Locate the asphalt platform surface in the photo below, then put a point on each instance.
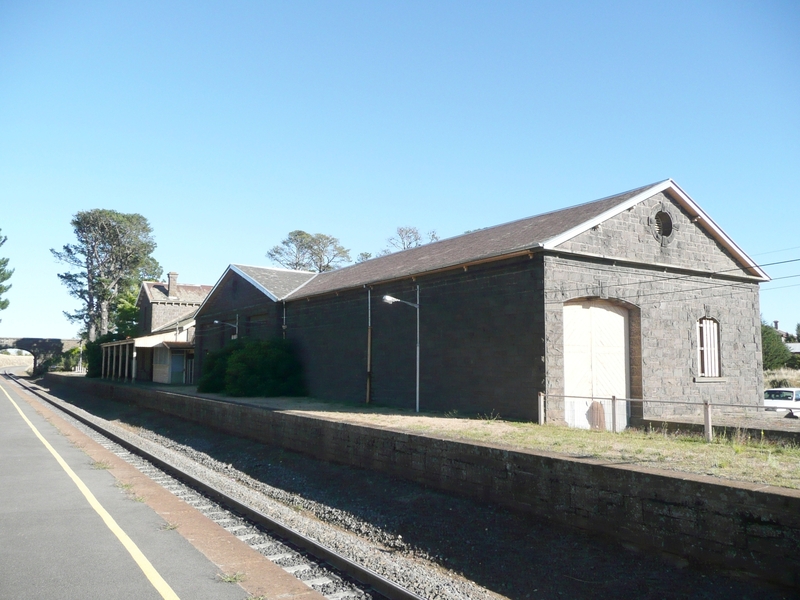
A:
(55, 544)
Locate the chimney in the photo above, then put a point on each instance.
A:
(172, 288)
(776, 324)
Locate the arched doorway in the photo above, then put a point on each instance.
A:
(596, 361)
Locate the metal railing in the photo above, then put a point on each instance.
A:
(705, 405)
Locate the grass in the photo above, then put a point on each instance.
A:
(101, 464)
(169, 526)
(735, 456)
(782, 376)
(230, 578)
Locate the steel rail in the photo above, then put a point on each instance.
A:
(360, 573)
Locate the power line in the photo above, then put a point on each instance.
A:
(657, 279)
(776, 251)
(783, 287)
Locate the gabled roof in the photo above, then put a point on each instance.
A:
(689, 205)
(273, 282)
(188, 293)
(541, 232)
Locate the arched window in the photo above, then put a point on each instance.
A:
(708, 347)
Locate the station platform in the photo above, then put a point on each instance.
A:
(76, 521)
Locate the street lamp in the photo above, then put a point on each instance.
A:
(235, 326)
(391, 300)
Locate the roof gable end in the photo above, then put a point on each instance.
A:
(702, 219)
(283, 281)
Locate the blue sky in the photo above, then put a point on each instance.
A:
(229, 124)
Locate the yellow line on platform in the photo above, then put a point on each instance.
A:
(149, 571)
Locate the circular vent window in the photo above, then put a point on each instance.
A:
(663, 224)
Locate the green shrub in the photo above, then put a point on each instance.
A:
(254, 368)
(214, 367)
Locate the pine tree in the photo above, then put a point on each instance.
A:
(112, 256)
(5, 275)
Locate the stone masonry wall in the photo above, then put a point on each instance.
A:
(667, 299)
(629, 235)
(481, 341)
(164, 312)
(669, 306)
(258, 316)
(738, 526)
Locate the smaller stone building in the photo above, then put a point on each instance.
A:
(161, 305)
(164, 350)
(637, 296)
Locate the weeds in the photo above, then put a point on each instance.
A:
(492, 416)
(734, 453)
(232, 578)
(169, 526)
(101, 465)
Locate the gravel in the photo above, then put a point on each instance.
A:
(437, 545)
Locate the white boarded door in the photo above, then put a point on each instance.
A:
(595, 361)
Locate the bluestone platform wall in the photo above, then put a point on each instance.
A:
(739, 526)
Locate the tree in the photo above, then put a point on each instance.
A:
(408, 237)
(5, 275)
(774, 351)
(126, 317)
(303, 251)
(113, 254)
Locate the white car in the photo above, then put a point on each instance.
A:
(783, 399)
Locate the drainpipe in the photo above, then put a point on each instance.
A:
(369, 344)
(284, 320)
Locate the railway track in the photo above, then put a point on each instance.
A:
(336, 576)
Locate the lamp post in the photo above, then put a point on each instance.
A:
(235, 326)
(391, 300)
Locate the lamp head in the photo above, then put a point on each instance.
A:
(389, 299)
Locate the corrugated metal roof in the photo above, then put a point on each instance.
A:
(471, 247)
(794, 348)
